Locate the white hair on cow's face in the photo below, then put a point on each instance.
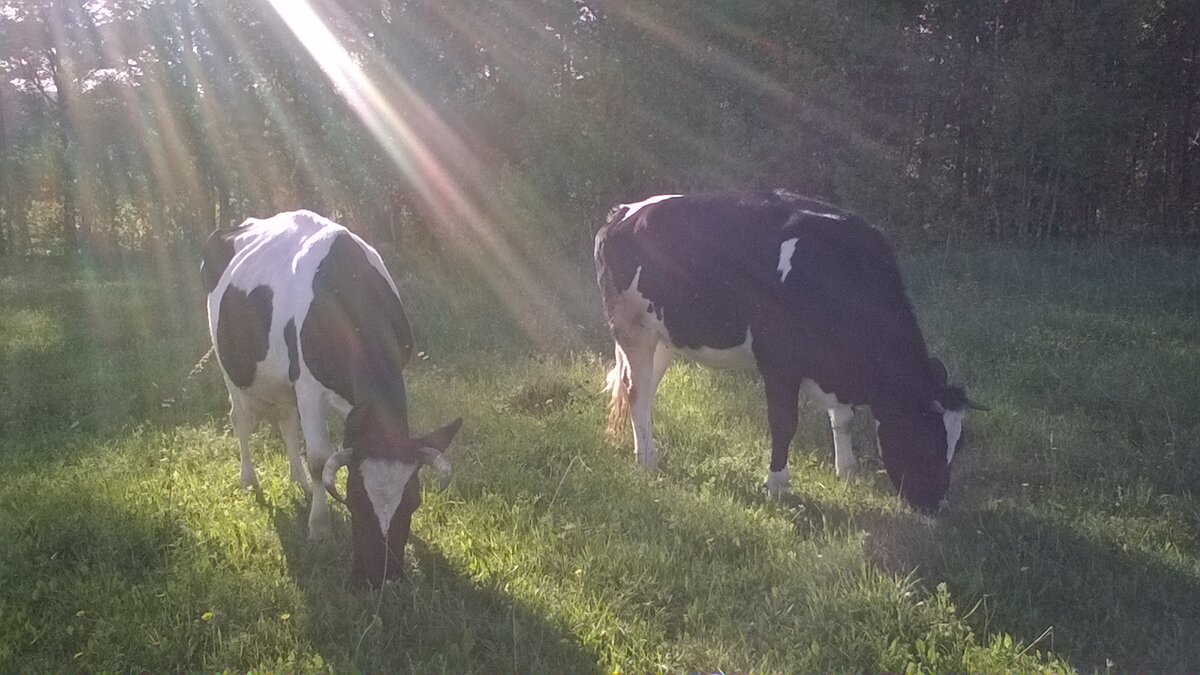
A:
(385, 480)
(953, 420)
(786, 250)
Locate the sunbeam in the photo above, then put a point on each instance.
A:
(426, 165)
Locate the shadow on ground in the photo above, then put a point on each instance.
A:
(435, 620)
(1103, 607)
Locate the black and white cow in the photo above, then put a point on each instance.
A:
(305, 318)
(808, 294)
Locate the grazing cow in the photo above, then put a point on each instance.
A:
(808, 294)
(304, 317)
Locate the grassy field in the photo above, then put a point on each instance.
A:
(1073, 540)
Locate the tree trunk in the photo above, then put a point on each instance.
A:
(1186, 196)
(6, 240)
(69, 230)
(63, 118)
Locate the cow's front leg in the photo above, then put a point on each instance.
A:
(316, 440)
(783, 397)
(843, 449)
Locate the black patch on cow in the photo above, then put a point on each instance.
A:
(215, 256)
(289, 339)
(356, 336)
(243, 329)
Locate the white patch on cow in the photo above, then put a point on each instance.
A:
(953, 420)
(384, 480)
(777, 483)
(819, 396)
(786, 250)
(738, 356)
(631, 209)
(633, 290)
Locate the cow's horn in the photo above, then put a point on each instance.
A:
(329, 475)
(976, 406)
(440, 464)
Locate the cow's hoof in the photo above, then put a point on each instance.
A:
(777, 484)
(319, 528)
(849, 472)
(648, 463)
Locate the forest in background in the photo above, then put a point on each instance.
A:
(511, 126)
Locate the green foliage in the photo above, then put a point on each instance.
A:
(145, 124)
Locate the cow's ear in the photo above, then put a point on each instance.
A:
(950, 399)
(973, 405)
(938, 369)
(440, 439)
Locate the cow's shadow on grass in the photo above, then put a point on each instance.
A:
(1013, 571)
(1090, 603)
(435, 619)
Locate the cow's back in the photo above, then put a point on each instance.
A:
(817, 287)
(704, 261)
(295, 278)
(259, 288)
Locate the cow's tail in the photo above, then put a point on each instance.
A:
(199, 367)
(618, 384)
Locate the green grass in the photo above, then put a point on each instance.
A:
(1073, 540)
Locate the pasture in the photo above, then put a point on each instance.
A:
(1073, 539)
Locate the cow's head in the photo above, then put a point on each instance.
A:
(382, 488)
(918, 441)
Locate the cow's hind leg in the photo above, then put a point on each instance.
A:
(843, 448)
(783, 399)
(663, 356)
(289, 428)
(244, 420)
(639, 353)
